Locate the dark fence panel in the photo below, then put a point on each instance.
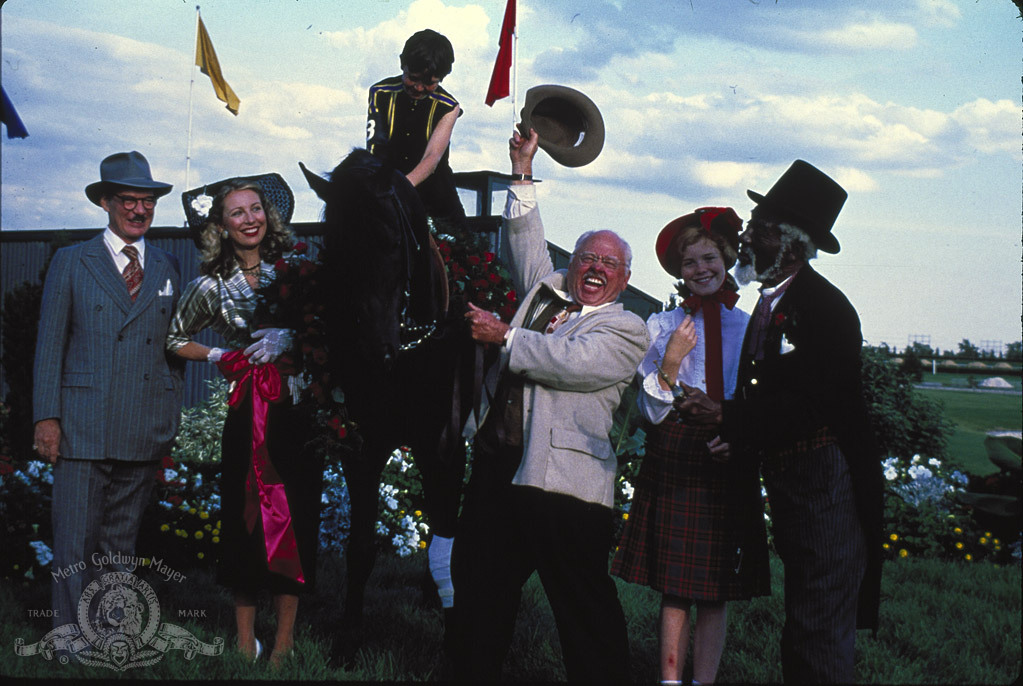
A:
(24, 254)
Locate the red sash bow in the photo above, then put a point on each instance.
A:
(264, 492)
(708, 304)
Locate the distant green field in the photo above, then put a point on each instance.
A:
(961, 380)
(974, 414)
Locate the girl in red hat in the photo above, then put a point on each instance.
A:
(696, 527)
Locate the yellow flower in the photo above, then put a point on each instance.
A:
(625, 515)
(885, 546)
(903, 553)
(988, 534)
(204, 515)
(198, 535)
(418, 513)
(216, 539)
(208, 527)
(983, 540)
(216, 532)
(968, 556)
(165, 527)
(200, 555)
(996, 541)
(957, 530)
(192, 510)
(894, 537)
(998, 547)
(959, 545)
(422, 545)
(17, 567)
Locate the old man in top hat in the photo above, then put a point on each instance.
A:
(799, 410)
(106, 401)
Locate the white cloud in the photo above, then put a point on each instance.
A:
(875, 35)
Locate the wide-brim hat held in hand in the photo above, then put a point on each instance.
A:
(128, 170)
(809, 199)
(570, 127)
(722, 221)
(198, 201)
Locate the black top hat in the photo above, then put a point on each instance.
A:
(569, 124)
(128, 169)
(197, 206)
(808, 198)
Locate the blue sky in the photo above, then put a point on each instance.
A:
(913, 106)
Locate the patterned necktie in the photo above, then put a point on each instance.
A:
(558, 319)
(133, 271)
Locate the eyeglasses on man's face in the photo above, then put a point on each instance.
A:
(591, 258)
(130, 202)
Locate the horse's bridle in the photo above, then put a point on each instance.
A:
(408, 328)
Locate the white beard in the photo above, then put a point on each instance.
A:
(746, 273)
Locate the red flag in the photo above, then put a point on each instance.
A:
(499, 86)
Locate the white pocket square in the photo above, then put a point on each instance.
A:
(168, 289)
(786, 347)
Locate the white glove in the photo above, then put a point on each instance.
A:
(214, 355)
(269, 345)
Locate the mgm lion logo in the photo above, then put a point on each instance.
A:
(118, 628)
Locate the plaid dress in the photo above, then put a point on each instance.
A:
(696, 526)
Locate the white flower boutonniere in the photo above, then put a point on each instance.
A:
(202, 204)
(786, 347)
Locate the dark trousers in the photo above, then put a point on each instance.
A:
(505, 534)
(97, 508)
(820, 541)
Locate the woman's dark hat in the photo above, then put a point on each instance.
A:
(810, 199)
(127, 169)
(722, 221)
(198, 201)
(569, 124)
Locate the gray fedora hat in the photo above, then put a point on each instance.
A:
(808, 198)
(570, 127)
(127, 169)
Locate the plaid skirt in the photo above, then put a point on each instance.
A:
(696, 526)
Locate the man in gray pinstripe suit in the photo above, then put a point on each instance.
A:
(106, 401)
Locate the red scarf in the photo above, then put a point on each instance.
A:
(711, 307)
(264, 491)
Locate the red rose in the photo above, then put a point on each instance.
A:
(479, 284)
(489, 257)
(174, 499)
(300, 247)
(473, 260)
(306, 267)
(281, 266)
(511, 297)
(493, 278)
(167, 462)
(779, 319)
(342, 432)
(506, 312)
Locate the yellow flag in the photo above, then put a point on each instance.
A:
(206, 60)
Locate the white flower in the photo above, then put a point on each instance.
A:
(916, 459)
(381, 528)
(202, 205)
(917, 472)
(627, 489)
(891, 473)
(392, 503)
(169, 475)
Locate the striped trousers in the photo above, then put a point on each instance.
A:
(97, 508)
(821, 543)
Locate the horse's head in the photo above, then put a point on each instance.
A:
(376, 249)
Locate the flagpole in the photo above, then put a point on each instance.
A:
(191, 84)
(515, 67)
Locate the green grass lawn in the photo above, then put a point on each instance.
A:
(941, 622)
(960, 380)
(974, 414)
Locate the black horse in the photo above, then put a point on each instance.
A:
(397, 349)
